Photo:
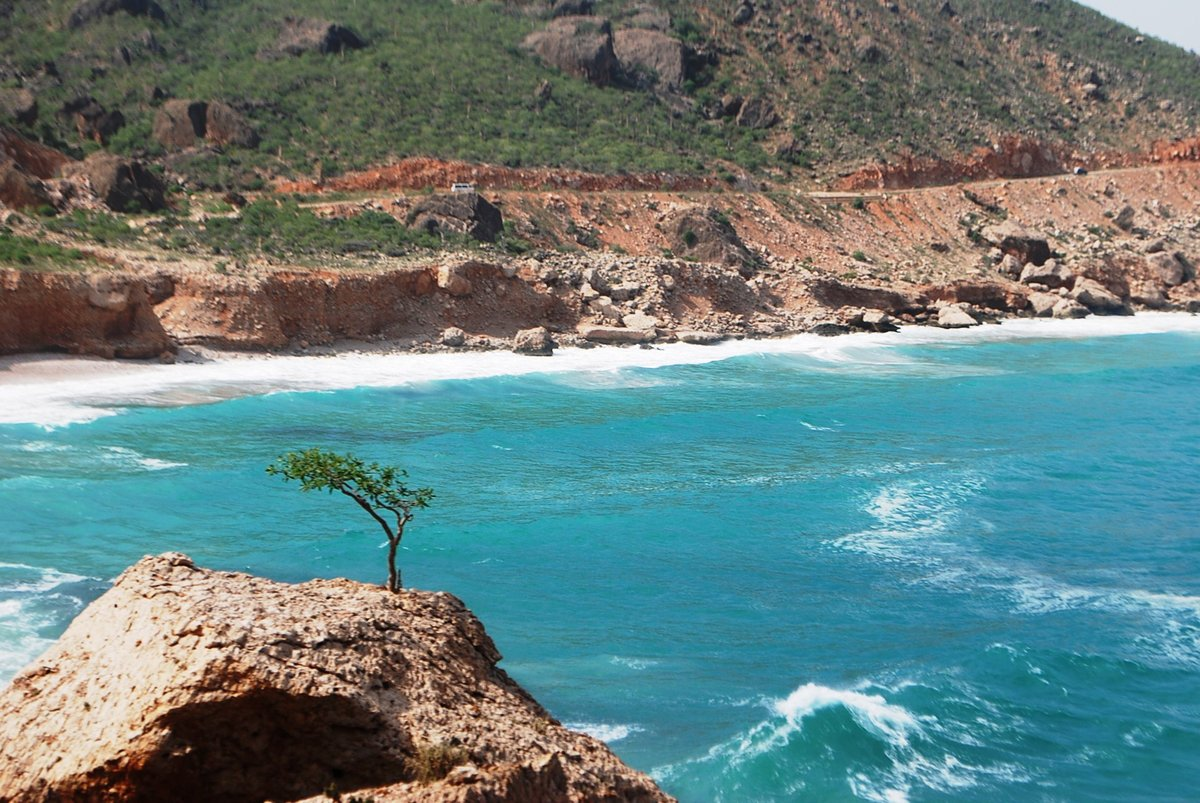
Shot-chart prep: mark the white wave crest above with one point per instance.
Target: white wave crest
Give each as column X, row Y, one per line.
column 20, row 578
column 604, row 732
column 133, row 459
column 909, row 741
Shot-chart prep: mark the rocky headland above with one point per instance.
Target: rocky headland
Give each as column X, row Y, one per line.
column 186, row 684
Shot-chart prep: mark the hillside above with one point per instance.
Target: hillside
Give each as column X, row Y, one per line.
column 782, row 90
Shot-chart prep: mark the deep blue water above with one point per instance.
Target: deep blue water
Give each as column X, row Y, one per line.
column 960, row 570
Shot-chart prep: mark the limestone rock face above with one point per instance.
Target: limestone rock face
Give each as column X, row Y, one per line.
column 578, row 45
column 192, row 685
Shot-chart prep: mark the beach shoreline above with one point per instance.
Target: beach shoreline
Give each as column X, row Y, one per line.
column 52, row 390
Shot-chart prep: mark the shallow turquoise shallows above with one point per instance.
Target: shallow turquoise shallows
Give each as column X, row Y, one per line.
column 959, row 567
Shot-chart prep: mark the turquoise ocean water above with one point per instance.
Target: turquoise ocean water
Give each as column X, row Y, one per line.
column 926, row 566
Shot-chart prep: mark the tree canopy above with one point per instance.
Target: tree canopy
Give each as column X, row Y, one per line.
column 377, row 489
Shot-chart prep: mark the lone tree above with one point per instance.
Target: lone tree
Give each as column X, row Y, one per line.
column 379, row 490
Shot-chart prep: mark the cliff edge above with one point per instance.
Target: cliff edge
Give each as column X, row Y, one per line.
column 182, row 683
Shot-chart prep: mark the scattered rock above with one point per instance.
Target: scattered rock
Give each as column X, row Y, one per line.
column 20, row 105
column 639, row 320
column 704, row 234
column 179, row 123
column 453, row 337
column 225, row 126
column 1043, row 304
column 578, row 45
column 625, row 291
column 756, row 112
column 123, row 184
column 306, row 35
column 1012, row 238
column 1096, row 297
column 1049, row 274
column 952, row 316
column 92, row 10
column 18, row 189
column 536, row 341
column 615, row 335
column 1167, row 268
column 829, row 329
column 453, row 279
column 743, row 14
column 1124, row 219
column 466, row 213
column 878, row 321
column 185, row 684
column 700, row 338
column 650, row 58
column 1069, row 308
column 572, row 8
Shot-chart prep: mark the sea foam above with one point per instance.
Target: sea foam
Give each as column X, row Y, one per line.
column 72, row 396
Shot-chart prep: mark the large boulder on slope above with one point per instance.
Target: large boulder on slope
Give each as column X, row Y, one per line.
column 1097, row 298
column 89, row 11
column 1050, row 274
column 179, row 123
column 705, row 235
column 124, row 184
column 299, row 35
column 466, row 213
column 18, row 189
column 577, row 45
column 185, row 684
column 1013, row 238
column 650, row 57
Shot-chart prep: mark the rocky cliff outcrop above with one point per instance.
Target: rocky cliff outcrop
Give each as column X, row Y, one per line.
column 110, row 315
column 186, row 684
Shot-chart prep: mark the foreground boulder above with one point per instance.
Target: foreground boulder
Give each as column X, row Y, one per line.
column 191, row 685
column 466, row 213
